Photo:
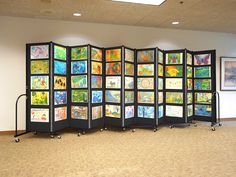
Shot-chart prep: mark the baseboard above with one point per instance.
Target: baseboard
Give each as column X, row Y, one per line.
column 10, row 132
column 228, row 119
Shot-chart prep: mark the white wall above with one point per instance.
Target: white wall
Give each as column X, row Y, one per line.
column 16, row 32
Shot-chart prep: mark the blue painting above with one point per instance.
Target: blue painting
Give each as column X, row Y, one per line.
column 146, row 111
column 59, row 67
column 60, row 97
column 201, row 72
column 78, row 67
column 160, row 111
column 96, row 96
column 203, row 110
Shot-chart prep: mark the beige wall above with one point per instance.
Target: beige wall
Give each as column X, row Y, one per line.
column 16, row 32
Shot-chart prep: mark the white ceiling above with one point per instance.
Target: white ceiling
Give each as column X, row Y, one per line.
column 206, row 15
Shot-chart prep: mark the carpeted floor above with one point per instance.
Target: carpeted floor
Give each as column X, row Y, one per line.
column 178, row 152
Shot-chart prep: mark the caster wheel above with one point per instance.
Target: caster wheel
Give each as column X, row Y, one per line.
column 17, row 140
column 195, row 125
column 133, row 130
column 35, row 133
column 123, row 129
column 58, row 137
column 52, row 136
column 105, row 128
column 213, row 128
column 83, row 132
column 101, row 130
column 155, row 130
column 79, row 134
column 220, row 124
column 171, row 127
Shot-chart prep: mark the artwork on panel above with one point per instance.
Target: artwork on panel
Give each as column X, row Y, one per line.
column 189, row 59
column 39, row 98
column 39, row 67
column 202, row 59
column 79, row 96
column 160, row 97
column 146, row 97
column 113, row 55
column 160, row 57
column 174, row 97
column 59, row 82
column 145, row 83
column 59, row 52
column 79, row 53
column 60, row 114
column 59, row 67
column 96, row 54
column 146, row 112
column 174, row 111
column 129, row 55
column 96, row 96
column 160, row 112
column 96, row 67
column 190, row 84
column 146, row 70
column 39, row 51
column 174, row 58
column 39, row 115
column 129, row 82
column 129, row 112
column 174, row 71
column 160, row 70
column 113, row 111
column 145, row 56
column 129, row 97
column 79, row 81
column 160, row 84
column 173, row 83
column 79, row 112
column 203, row 98
column 203, row 110
column 60, row 97
column 228, row 73
column 190, row 110
column 189, row 72
column 112, row 96
column 113, row 82
column 97, row 112
column 202, row 84
column 96, row 82
column 129, row 69
column 39, row 82
column 190, row 98
column 113, row 68
column 78, row 67
column 200, row 72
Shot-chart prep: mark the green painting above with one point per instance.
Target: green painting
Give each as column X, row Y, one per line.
column 202, row 72
column 79, row 96
column 174, row 97
column 59, row 52
column 174, row 58
column 174, row 71
column 202, row 84
column 39, row 67
column 79, row 53
column 189, row 72
column 39, row 98
column 79, row 81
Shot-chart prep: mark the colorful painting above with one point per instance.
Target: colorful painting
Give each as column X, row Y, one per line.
column 203, row 110
column 113, row 68
column 129, row 112
column 39, row 82
column 113, row 111
column 97, row 112
column 203, row 59
column 129, row 97
column 146, row 70
column 79, row 112
column 160, row 111
column 160, row 57
column 79, row 96
column 96, row 82
column 59, row 67
column 59, row 52
column 190, row 84
column 160, row 84
column 113, row 96
column 79, row 67
column 129, row 69
column 39, row 98
column 96, row 96
column 174, row 71
column 96, row 54
column 174, row 111
column 39, row 67
column 145, row 83
column 79, row 81
column 201, row 72
column 96, row 68
column 190, row 98
column 189, row 59
column 113, row 55
column 129, row 55
column 189, row 71
column 203, row 98
column 174, row 97
column 146, row 97
column 174, row 58
column 190, row 110
column 60, row 114
column 39, row 51
column 202, row 84
column 129, row 82
column 160, row 97
column 113, row 82
column 79, row 53
column 146, row 112
column 39, row 115
column 60, row 97
column 228, row 73
column 59, row 82
column 172, row 83
column 145, row 56
column 160, row 70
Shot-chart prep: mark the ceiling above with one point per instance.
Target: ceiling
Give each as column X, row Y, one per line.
column 206, row 15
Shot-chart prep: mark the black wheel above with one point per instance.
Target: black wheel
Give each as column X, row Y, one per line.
column 133, row 130
column 213, row 128
column 154, row 129
column 58, row 137
column 79, row 134
column 171, row 126
column 105, row 128
column 220, row 124
column 52, row 136
column 35, row 133
column 101, row 130
column 123, row 128
column 195, row 125
column 83, row 132
column 17, row 140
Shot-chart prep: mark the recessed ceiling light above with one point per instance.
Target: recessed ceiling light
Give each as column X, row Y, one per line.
column 77, row 14
column 175, row 23
column 147, row 2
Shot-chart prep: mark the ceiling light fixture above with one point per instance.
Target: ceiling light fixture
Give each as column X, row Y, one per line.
column 175, row 23
column 147, row 2
column 77, row 14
